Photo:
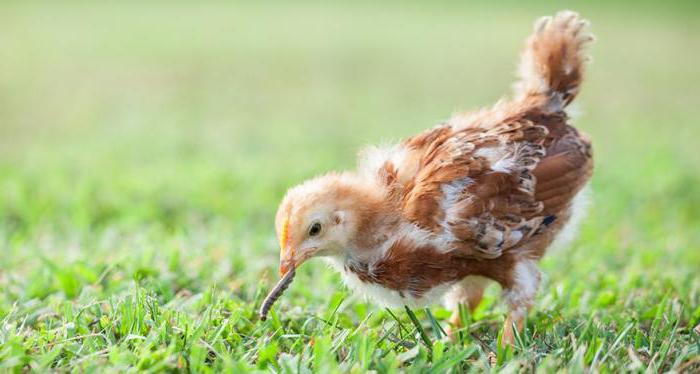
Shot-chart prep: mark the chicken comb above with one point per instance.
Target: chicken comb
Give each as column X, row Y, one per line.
column 284, row 234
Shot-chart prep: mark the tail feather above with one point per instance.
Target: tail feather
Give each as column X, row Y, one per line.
column 553, row 61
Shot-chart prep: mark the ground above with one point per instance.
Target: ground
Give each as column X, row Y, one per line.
column 144, row 149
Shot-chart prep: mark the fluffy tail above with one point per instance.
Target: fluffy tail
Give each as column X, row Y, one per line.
column 553, row 62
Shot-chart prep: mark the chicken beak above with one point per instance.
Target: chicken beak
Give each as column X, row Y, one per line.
column 286, row 265
column 291, row 259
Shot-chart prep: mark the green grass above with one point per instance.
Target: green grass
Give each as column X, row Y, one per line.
column 144, row 149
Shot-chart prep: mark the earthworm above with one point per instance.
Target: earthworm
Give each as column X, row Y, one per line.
column 276, row 292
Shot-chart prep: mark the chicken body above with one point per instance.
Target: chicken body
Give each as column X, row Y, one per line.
column 478, row 198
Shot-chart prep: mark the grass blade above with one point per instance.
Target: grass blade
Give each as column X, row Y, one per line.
column 439, row 332
column 420, row 329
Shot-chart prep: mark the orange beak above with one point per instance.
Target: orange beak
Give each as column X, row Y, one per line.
column 290, row 258
column 286, row 266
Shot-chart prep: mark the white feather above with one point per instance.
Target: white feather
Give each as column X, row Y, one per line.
column 521, row 294
column 578, row 209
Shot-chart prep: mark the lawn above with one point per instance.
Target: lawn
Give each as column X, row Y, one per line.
column 144, row 150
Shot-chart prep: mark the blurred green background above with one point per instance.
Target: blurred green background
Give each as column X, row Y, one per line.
column 146, row 146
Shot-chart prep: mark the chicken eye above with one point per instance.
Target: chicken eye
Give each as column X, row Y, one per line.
column 315, row 229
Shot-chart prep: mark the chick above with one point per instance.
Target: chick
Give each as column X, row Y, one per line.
column 476, row 199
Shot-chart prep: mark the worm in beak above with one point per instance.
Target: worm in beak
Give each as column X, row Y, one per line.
column 276, row 292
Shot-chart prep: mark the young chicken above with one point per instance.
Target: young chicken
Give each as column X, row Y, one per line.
column 478, row 198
